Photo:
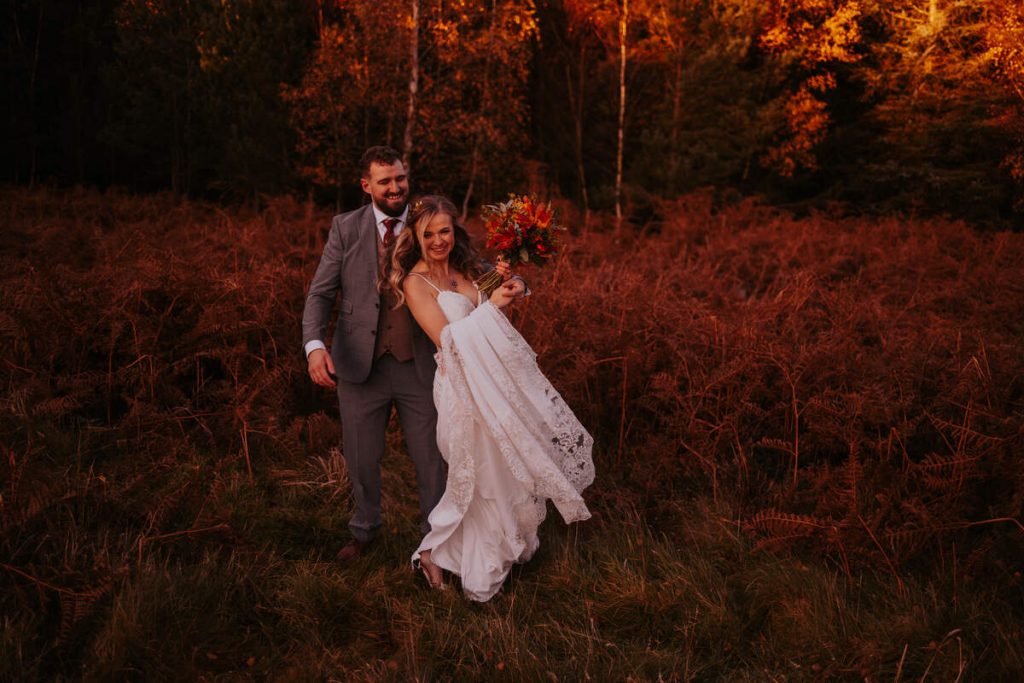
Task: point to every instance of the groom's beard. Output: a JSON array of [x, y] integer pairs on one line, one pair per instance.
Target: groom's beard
[[393, 205]]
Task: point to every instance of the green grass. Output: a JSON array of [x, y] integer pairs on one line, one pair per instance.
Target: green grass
[[608, 599]]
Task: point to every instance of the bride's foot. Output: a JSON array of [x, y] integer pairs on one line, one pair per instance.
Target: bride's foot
[[433, 573]]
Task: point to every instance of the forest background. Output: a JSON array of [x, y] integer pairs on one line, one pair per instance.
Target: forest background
[[913, 105], [789, 307]]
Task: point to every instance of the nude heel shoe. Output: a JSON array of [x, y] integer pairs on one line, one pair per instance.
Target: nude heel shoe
[[425, 565]]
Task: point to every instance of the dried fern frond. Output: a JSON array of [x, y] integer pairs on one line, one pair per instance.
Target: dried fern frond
[[76, 607], [777, 524], [57, 407], [777, 444], [21, 505]]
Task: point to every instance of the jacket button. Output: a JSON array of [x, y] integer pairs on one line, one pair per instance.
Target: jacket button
[[373, 332]]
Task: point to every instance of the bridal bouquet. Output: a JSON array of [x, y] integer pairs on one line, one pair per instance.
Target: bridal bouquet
[[521, 231]]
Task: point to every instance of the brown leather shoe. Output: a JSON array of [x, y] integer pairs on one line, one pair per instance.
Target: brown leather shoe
[[354, 549]]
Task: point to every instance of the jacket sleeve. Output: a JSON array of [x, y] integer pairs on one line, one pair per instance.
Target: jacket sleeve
[[324, 287]]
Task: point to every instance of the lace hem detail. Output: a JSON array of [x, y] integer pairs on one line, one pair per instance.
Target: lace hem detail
[[494, 384]]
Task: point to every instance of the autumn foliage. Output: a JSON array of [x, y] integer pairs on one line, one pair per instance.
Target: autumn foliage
[[880, 106]]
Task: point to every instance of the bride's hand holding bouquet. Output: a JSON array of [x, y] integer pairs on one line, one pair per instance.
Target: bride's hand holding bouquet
[[503, 294], [521, 231]]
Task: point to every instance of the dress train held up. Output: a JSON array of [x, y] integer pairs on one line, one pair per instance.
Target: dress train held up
[[511, 444]]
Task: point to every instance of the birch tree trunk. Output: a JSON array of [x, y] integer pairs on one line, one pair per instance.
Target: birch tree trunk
[[414, 85], [673, 159], [32, 95], [623, 24]]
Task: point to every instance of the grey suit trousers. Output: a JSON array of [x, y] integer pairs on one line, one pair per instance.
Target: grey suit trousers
[[365, 408], [367, 389]]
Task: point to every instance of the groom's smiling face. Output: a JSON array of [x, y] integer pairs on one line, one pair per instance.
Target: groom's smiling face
[[388, 187]]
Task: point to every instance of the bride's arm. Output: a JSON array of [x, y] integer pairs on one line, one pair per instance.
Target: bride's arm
[[424, 308], [520, 288], [427, 312]]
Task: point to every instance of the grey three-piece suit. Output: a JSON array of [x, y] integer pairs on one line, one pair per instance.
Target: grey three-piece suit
[[381, 357]]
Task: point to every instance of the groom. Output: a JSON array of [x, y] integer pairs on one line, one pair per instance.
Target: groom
[[379, 356]]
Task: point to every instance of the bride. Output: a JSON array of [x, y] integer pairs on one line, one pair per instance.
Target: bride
[[510, 441]]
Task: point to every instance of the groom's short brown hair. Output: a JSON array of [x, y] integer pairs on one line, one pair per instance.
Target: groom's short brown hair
[[379, 154]]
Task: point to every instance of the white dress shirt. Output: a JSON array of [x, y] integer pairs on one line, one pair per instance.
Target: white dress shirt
[[381, 217]]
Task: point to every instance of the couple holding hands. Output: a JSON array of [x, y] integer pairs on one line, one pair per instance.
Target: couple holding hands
[[490, 438]]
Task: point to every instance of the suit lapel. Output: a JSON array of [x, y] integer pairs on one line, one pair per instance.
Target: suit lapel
[[368, 242]]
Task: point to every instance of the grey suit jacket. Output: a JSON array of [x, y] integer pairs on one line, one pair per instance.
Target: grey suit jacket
[[349, 265]]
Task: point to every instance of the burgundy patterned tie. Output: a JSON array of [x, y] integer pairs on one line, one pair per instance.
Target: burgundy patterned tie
[[389, 231]]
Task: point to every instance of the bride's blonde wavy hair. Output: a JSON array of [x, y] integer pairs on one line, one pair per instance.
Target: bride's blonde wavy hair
[[408, 247]]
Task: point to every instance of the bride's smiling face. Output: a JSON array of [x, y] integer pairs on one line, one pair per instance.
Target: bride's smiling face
[[437, 238]]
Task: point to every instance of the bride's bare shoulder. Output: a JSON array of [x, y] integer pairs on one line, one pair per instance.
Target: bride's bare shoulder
[[415, 283]]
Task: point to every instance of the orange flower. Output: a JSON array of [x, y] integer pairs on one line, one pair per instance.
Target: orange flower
[[543, 216]]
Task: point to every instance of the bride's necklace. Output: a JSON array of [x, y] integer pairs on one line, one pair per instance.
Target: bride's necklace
[[452, 282]]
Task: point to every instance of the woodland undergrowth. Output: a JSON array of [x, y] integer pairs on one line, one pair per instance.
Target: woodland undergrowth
[[809, 436]]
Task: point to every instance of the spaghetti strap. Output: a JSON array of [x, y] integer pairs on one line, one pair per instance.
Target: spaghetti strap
[[427, 280]]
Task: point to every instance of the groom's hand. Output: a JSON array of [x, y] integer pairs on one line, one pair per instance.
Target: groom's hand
[[504, 294], [321, 368], [516, 286]]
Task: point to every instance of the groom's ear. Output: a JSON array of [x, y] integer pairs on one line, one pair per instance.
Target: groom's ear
[[365, 184]]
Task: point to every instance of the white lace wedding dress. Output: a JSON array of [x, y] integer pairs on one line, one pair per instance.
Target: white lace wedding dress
[[511, 444]]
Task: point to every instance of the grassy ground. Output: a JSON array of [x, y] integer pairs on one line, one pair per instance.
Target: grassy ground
[[808, 448], [607, 600]]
